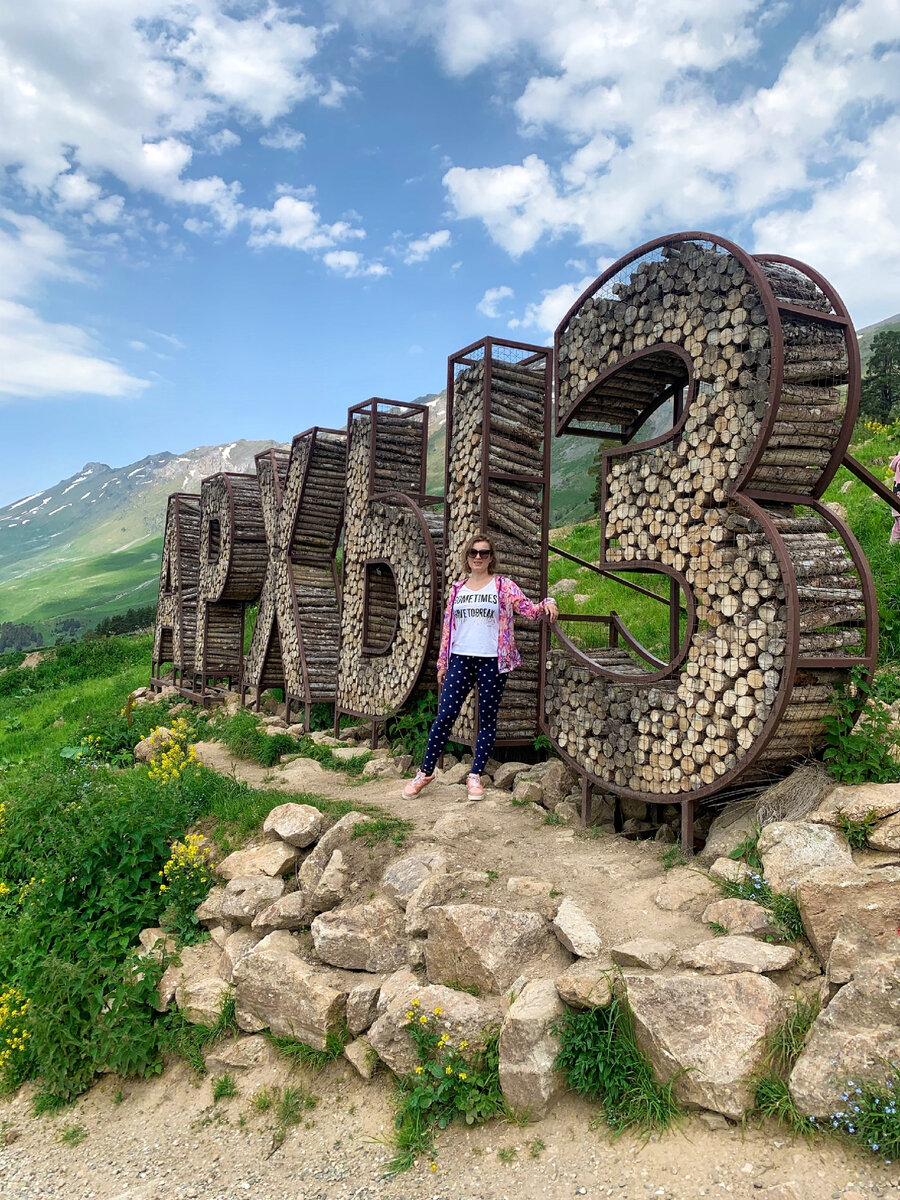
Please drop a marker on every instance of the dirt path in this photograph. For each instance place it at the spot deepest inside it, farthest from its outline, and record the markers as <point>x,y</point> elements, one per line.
<point>164,1138</point>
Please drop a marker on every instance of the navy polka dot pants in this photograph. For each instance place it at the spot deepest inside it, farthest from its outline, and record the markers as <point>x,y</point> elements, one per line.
<point>463,672</point>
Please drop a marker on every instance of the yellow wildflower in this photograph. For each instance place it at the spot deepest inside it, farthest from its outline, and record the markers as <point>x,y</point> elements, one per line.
<point>419,1070</point>
<point>463,1075</point>
<point>416,1002</point>
<point>448,1071</point>
<point>423,1020</point>
<point>438,1010</point>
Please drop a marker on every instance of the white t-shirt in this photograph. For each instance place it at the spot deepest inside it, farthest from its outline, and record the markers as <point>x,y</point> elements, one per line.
<point>476,621</point>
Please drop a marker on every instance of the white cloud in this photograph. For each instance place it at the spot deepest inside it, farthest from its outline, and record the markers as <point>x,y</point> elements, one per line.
<point>545,314</point>
<point>29,252</point>
<point>489,304</point>
<point>283,138</point>
<point>296,224</point>
<point>136,345</point>
<point>38,358</point>
<point>225,139</point>
<point>352,264</point>
<point>419,249</point>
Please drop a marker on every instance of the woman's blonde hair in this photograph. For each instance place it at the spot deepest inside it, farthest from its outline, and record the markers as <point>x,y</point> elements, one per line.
<point>467,549</point>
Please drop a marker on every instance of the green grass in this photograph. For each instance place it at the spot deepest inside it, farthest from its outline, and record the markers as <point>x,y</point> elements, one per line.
<point>383,829</point>
<point>601,1061</point>
<point>300,1054</point>
<point>224,1087</point>
<point>783,1046</point>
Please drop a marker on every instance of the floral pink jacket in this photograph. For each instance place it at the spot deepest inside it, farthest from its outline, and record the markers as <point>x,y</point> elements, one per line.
<point>512,600</point>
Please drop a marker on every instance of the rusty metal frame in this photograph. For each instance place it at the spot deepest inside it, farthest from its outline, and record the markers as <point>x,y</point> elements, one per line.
<point>371,408</point>
<point>534,354</point>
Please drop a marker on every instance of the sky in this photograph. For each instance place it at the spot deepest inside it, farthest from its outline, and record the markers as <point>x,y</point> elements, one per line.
<point>235,220</point>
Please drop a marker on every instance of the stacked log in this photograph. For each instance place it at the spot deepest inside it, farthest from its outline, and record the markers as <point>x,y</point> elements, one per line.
<point>395,546</point>
<point>495,481</point>
<point>176,613</point>
<point>233,561</point>
<point>774,584</point>
<point>295,640</point>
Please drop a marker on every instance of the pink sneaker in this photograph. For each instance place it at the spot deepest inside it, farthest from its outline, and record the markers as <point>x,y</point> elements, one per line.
<point>415,785</point>
<point>473,787</point>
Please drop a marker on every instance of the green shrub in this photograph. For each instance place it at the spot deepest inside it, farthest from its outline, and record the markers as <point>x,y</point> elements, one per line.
<point>302,1055</point>
<point>857,832</point>
<point>785,913</point>
<point>772,1097</point>
<point>860,751</point>
<point>870,1116</point>
<point>407,731</point>
<point>600,1060</point>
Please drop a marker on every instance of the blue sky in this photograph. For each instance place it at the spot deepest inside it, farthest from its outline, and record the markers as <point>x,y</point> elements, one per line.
<point>224,220</point>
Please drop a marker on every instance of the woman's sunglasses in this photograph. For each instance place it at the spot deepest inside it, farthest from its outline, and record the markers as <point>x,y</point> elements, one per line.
<point>480,553</point>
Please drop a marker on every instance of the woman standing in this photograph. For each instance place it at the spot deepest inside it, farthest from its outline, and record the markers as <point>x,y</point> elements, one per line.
<point>477,647</point>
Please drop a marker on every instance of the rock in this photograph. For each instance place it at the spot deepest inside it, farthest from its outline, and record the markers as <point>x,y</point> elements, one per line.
<point>156,943</point>
<point>685,889</point>
<point>322,737</point>
<point>362,1005</point>
<point>732,826</point>
<point>707,1033</point>
<point>529,886</point>
<point>567,812</point>
<point>792,850</point>
<point>368,937</point>
<point>643,952</point>
<point>333,885</point>
<point>210,909</point>
<point>452,775</point>
<point>462,1017</point>
<point>886,834</point>
<point>296,824</point>
<point>272,859</point>
<point>827,895</point>
<point>853,1038</point>
<point>149,747</point>
<point>528,1049</point>
<point>576,931</point>
<point>507,772</point>
<point>586,983</point>
<point>403,877</point>
<point>729,869</point>
<point>728,955</point>
<point>474,945</point>
<point>415,952</point>
<point>564,587</point>
<point>241,1054</point>
<point>362,1057</point>
<point>528,791</point>
<point>852,945</point>
<point>402,982</point>
<point>236,946</point>
<point>558,782</point>
<point>858,802</point>
<point>276,988</point>
<point>338,836</point>
<point>451,827</point>
<point>292,911</point>
<point>200,991</point>
<point>345,753</point>
<point>245,897</point>
<point>737,916</point>
<point>440,889</point>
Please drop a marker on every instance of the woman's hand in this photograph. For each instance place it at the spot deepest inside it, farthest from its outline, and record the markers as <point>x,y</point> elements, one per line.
<point>441,675</point>
<point>551,608</point>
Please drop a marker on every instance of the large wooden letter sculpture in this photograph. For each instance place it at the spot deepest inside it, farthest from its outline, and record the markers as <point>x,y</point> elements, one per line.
<point>497,482</point>
<point>233,560</point>
<point>295,640</point>
<point>176,612</point>
<point>780,600</point>
<point>392,560</point>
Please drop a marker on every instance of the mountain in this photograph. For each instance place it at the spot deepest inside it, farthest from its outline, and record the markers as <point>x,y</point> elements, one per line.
<point>867,335</point>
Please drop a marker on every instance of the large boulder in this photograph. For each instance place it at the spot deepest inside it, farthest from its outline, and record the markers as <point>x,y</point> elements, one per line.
<point>253,1052</point>
<point>475,945</point>
<point>886,834</point>
<point>292,911</point>
<point>685,889</point>
<point>858,802</point>
<point>643,952</point>
<point>362,1005</point>
<point>334,883</point>
<point>728,955</point>
<point>827,895</point>
<point>237,945</point>
<point>407,875</point>
<point>738,916</point>
<point>195,983</point>
<point>852,945</point>
<point>528,1049</point>
<point>367,937</point>
<point>557,782</point>
<point>463,1018</point>
<point>246,896</point>
<point>296,824</point>
<point>707,1033</point>
<point>272,859</point>
<point>855,1037</point>
<point>732,826</point>
<point>576,931</point>
<point>277,989</point>
<point>439,889</point>
<point>792,850</point>
<point>338,837</point>
<point>506,773</point>
<point>587,983</point>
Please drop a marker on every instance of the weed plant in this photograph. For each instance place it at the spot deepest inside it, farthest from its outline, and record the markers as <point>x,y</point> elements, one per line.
<point>786,918</point>
<point>383,829</point>
<point>600,1060</point>
<point>76,663</point>
<point>747,850</point>
<point>860,751</point>
<point>245,739</point>
<point>407,731</point>
<point>189,1040</point>
<point>857,833</point>
<point>224,1087</point>
<point>870,1116</point>
<point>772,1097</point>
<point>449,1083</point>
<point>300,1054</point>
